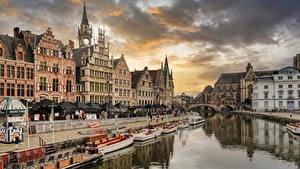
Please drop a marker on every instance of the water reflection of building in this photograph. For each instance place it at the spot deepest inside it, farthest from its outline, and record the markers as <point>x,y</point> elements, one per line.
<point>236,131</point>
<point>156,153</point>
<point>121,160</point>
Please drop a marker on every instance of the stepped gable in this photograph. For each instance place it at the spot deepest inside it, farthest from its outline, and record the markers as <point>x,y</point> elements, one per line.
<point>154,74</point>
<point>11,43</point>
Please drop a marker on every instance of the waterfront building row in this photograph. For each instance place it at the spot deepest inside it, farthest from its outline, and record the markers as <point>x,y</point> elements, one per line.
<point>38,66</point>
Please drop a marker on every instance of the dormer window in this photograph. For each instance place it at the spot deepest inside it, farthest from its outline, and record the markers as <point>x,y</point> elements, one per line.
<point>1,52</point>
<point>20,56</point>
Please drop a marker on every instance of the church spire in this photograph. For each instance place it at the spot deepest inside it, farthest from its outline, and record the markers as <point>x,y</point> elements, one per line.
<point>84,19</point>
<point>166,63</point>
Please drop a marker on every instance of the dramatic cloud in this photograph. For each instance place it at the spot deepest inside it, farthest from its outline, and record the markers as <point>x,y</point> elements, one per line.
<point>202,38</point>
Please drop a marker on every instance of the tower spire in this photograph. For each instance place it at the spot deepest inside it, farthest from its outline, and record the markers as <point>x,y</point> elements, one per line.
<point>84,19</point>
<point>166,63</point>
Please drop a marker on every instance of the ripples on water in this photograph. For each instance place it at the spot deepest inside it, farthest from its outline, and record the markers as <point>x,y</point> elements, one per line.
<point>223,142</point>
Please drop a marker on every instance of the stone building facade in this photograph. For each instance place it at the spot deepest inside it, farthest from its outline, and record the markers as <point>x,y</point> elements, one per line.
<point>277,91</point>
<point>143,86</point>
<point>94,67</point>
<point>163,85</point>
<point>234,88</point>
<point>16,67</point>
<point>55,68</point>
<point>122,86</point>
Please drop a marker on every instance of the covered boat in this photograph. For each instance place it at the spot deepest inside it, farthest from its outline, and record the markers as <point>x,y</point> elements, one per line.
<point>148,134</point>
<point>294,128</point>
<point>196,120</point>
<point>169,128</point>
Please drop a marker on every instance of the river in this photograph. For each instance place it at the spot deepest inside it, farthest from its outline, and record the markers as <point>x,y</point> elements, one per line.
<point>224,141</point>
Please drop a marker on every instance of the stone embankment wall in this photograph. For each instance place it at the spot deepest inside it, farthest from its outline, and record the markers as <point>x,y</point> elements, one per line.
<point>280,117</point>
<point>61,125</point>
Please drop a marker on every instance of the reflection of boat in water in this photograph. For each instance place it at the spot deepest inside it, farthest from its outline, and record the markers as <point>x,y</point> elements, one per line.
<point>196,126</point>
<point>148,134</point>
<point>145,143</point>
<point>118,153</point>
<point>294,128</point>
<point>196,120</point>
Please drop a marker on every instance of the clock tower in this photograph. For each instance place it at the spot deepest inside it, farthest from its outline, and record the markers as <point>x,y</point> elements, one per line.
<point>85,30</point>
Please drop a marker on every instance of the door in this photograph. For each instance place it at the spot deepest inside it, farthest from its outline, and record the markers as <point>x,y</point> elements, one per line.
<point>290,105</point>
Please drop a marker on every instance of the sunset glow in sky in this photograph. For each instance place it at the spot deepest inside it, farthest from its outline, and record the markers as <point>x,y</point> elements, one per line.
<point>202,38</point>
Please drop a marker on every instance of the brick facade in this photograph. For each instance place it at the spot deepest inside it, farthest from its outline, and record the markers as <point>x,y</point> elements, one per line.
<point>122,86</point>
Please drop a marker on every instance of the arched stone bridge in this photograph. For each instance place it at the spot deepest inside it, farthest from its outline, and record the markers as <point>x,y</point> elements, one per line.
<point>214,107</point>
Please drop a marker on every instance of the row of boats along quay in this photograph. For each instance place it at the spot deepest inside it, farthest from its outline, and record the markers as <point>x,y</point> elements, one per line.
<point>92,145</point>
<point>195,140</point>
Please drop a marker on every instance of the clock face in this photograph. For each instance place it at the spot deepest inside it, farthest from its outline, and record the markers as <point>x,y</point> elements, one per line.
<point>86,41</point>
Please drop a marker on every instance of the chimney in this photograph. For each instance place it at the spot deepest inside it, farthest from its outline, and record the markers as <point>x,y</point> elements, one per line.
<point>16,32</point>
<point>71,43</point>
<point>27,36</point>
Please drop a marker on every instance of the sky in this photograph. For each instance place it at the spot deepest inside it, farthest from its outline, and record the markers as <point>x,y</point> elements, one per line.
<point>202,38</point>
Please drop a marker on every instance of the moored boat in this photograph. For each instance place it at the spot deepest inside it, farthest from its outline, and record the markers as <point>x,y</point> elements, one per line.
<point>183,124</point>
<point>115,144</point>
<point>196,120</point>
<point>294,128</point>
<point>148,134</point>
<point>169,128</point>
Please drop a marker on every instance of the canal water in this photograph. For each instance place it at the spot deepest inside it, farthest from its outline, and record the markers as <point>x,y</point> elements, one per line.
<point>224,141</point>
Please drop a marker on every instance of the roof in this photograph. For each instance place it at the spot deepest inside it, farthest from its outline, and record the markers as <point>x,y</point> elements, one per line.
<point>135,77</point>
<point>84,19</point>
<point>226,78</point>
<point>11,43</point>
<point>78,52</point>
<point>230,78</point>
<point>116,61</point>
<point>207,89</point>
<point>153,75</point>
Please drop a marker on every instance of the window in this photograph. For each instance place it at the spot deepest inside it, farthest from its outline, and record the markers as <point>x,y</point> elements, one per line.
<point>2,70</point>
<point>43,65</point>
<point>20,89</point>
<point>120,82</point>
<point>69,70</point>
<point>69,55</point>
<point>20,56</point>
<point>10,71</point>
<point>290,86</point>
<point>290,77</point>
<point>116,81</point>
<point>1,89</point>
<point>20,72</point>
<point>97,99</point>
<point>10,89</point>
<point>97,87</point>
<point>280,93</point>
<point>280,78</point>
<point>1,52</point>
<point>92,99</point>
<point>298,77</point>
<point>55,85</point>
<point>92,73</point>
<point>43,51</point>
<point>147,77</point>
<point>266,95</point>
<point>280,104</point>
<point>69,85</point>
<point>116,91</point>
<point>280,86</point>
<point>128,83</point>
<point>266,87</point>
<point>266,104</point>
<point>298,85</point>
<point>55,53</point>
<point>124,72</point>
<point>298,94</point>
<point>30,90</point>
<point>120,71</point>
<point>120,92</point>
<point>55,68</point>
<point>29,73</point>
<point>143,83</point>
<point>92,86</point>
<point>43,84</point>
<point>77,98</point>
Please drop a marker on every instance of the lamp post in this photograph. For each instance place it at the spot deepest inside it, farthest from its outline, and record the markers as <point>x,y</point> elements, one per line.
<point>107,87</point>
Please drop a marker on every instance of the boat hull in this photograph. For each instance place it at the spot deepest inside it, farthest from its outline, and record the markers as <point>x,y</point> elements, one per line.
<point>116,146</point>
<point>182,126</point>
<point>293,129</point>
<point>198,122</point>
<point>167,131</point>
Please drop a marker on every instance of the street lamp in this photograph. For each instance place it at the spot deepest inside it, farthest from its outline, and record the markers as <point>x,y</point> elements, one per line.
<point>107,87</point>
